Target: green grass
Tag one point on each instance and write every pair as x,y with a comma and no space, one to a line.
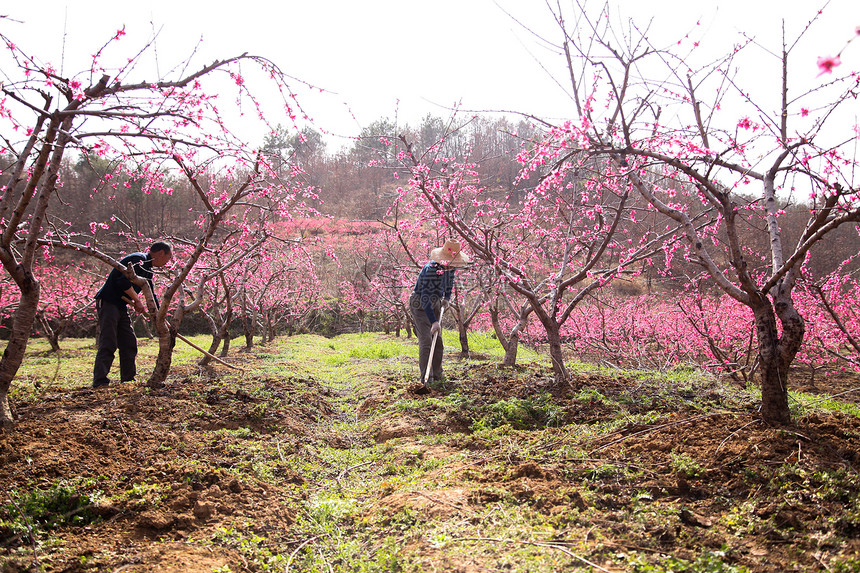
65,502
803,403
536,411
351,347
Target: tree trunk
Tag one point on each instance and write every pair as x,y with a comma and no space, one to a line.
271,325
213,348
462,330
264,329
555,353
464,341
224,331
497,327
513,345
776,354
407,323
216,340
248,329
166,342
13,356
52,335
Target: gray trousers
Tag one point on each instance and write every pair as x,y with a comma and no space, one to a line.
425,339
115,332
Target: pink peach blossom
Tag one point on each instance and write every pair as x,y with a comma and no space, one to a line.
827,64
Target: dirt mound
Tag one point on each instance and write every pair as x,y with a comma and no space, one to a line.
154,454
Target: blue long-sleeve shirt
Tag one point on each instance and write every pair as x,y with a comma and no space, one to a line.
435,282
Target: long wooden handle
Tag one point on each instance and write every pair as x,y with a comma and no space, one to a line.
194,346
433,347
212,356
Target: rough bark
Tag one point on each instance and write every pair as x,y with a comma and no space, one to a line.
166,342
462,330
52,335
13,356
510,358
407,322
216,339
555,353
497,327
213,348
776,353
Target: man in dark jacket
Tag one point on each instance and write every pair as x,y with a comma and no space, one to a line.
432,291
115,329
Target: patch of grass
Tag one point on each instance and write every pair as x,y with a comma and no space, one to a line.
803,403
590,395
327,511
144,494
686,466
835,485
536,411
350,347
844,565
742,521
255,549
241,432
65,502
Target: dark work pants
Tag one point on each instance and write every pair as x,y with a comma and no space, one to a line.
425,339
115,332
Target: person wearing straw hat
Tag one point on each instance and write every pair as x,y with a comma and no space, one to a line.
432,291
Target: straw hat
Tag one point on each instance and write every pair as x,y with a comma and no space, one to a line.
450,254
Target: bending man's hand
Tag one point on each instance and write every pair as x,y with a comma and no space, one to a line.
435,328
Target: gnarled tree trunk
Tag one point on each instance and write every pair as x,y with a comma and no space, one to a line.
776,353
13,356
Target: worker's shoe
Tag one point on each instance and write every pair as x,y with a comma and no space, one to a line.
101,383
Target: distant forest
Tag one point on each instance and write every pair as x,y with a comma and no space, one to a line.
358,182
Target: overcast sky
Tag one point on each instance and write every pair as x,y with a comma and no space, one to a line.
408,57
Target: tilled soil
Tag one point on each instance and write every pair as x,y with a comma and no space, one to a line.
173,487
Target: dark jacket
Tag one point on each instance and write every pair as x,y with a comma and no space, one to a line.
434,283
117,283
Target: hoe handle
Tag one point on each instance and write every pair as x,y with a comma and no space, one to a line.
432,348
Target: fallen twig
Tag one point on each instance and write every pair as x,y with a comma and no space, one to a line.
536,544
806,405
36,563
121,427
442,501
350,468
660,427
320,553
729,437
280,453
297,549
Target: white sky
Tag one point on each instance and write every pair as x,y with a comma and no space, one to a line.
404,57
